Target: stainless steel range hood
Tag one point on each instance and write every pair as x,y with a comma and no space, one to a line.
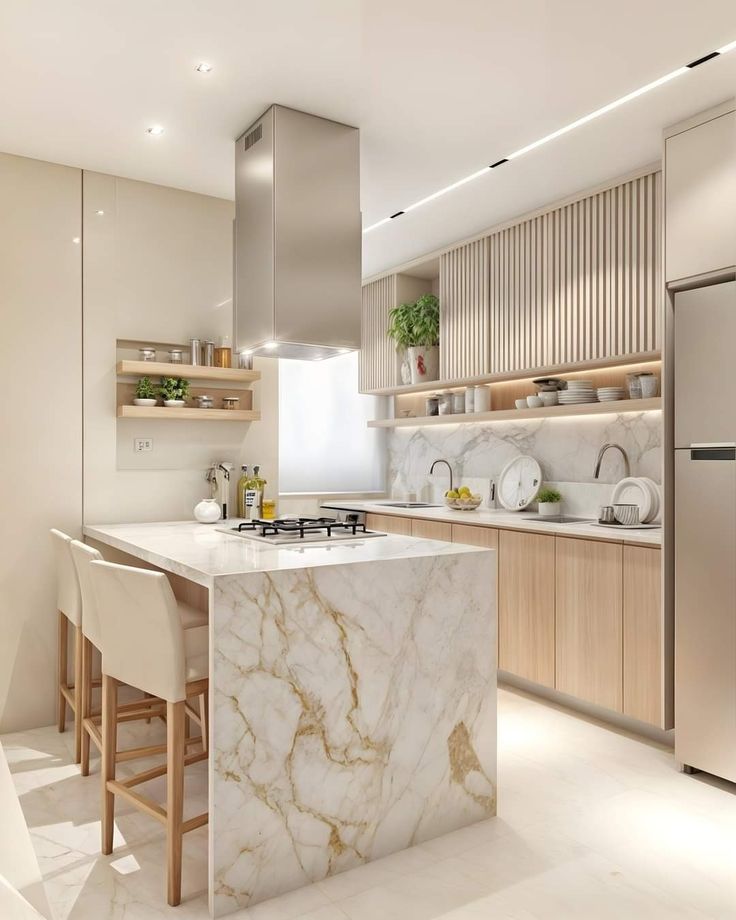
297,236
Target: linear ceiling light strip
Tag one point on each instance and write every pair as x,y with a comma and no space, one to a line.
604,110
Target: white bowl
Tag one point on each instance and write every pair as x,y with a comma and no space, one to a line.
521,404
549,398
534,402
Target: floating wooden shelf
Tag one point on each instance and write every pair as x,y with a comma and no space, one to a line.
187,371
508,415
184,413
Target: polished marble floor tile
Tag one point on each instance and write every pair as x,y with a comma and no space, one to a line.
593,824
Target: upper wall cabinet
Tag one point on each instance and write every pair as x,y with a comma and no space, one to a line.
465,318
379,366
700,169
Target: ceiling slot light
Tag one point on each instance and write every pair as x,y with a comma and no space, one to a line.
203,68
155,130
702,60
591,116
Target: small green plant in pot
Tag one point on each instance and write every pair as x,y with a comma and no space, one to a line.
145,393
549,501
415,328
174,391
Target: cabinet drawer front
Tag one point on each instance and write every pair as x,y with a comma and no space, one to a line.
431,530
643,635
589,621
389,523
473,535
526,605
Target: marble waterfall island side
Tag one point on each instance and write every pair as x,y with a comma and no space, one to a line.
353,713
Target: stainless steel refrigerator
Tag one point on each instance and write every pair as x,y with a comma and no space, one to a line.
705,528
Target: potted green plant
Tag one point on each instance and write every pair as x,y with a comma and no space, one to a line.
549,501
415,328
174,391
145,393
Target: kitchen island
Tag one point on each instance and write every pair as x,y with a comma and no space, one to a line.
352,697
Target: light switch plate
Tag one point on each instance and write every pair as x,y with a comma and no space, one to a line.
142,444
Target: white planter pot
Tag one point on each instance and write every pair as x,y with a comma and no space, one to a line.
424,362
549,509
175,403
207,511
144,402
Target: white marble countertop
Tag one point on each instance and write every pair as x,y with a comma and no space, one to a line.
506,519
201,553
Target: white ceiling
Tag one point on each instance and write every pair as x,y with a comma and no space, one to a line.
438,88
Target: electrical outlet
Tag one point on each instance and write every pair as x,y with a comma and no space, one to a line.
142,444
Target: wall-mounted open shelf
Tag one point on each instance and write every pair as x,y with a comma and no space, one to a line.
507,415
187,413
188,371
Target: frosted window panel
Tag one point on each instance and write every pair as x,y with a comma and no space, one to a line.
324,442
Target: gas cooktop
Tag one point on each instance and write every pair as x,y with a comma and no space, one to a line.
298,530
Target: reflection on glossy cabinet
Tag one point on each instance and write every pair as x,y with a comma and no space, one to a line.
431,530
526,605
389,523
589,628
643,635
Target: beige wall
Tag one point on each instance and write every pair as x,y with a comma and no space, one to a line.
41,443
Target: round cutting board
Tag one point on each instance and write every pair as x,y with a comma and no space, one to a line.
519,483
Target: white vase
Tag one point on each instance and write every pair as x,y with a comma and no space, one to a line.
144,402
424,361
549,509
207,511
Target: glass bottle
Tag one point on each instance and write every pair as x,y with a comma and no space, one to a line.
243,483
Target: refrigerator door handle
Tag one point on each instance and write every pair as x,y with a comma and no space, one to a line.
712,452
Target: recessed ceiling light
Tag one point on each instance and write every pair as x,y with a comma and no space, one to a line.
99,213
203,68
155,130
603,110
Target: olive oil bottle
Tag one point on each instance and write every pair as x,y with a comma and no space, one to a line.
243,483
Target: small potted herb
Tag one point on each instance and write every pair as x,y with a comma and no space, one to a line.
174,391
415,328
549,502
145,393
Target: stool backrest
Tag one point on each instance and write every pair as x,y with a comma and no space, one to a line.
68,598
140,627
82,555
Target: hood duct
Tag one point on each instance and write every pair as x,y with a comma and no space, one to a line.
297,236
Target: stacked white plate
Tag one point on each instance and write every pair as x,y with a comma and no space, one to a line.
578,391
611,394
641,491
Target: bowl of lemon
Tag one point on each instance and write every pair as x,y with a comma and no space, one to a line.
462,499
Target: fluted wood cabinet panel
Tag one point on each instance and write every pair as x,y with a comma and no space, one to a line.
518,293
604,273
379,366
465,328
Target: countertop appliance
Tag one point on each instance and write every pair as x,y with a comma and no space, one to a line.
297,236
705,530
300,530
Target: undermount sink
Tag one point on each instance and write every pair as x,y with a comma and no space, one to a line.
558,519
408,505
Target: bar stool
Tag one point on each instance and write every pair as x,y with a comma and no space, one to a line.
69,606
146,708
145,645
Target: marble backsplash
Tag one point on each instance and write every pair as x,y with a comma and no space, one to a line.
566,448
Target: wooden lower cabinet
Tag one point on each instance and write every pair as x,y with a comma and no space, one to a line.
526,605
589,627
473,535
389,523
431,530
643,635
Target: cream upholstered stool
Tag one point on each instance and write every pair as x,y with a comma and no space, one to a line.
145,645
69,606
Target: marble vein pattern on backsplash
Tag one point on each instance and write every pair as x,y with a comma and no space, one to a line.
354,716
566,448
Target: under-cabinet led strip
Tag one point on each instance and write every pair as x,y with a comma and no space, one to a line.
558,133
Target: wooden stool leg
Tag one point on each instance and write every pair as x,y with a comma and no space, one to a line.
86,701
204,718
109,746
78,692
176,718
63,654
